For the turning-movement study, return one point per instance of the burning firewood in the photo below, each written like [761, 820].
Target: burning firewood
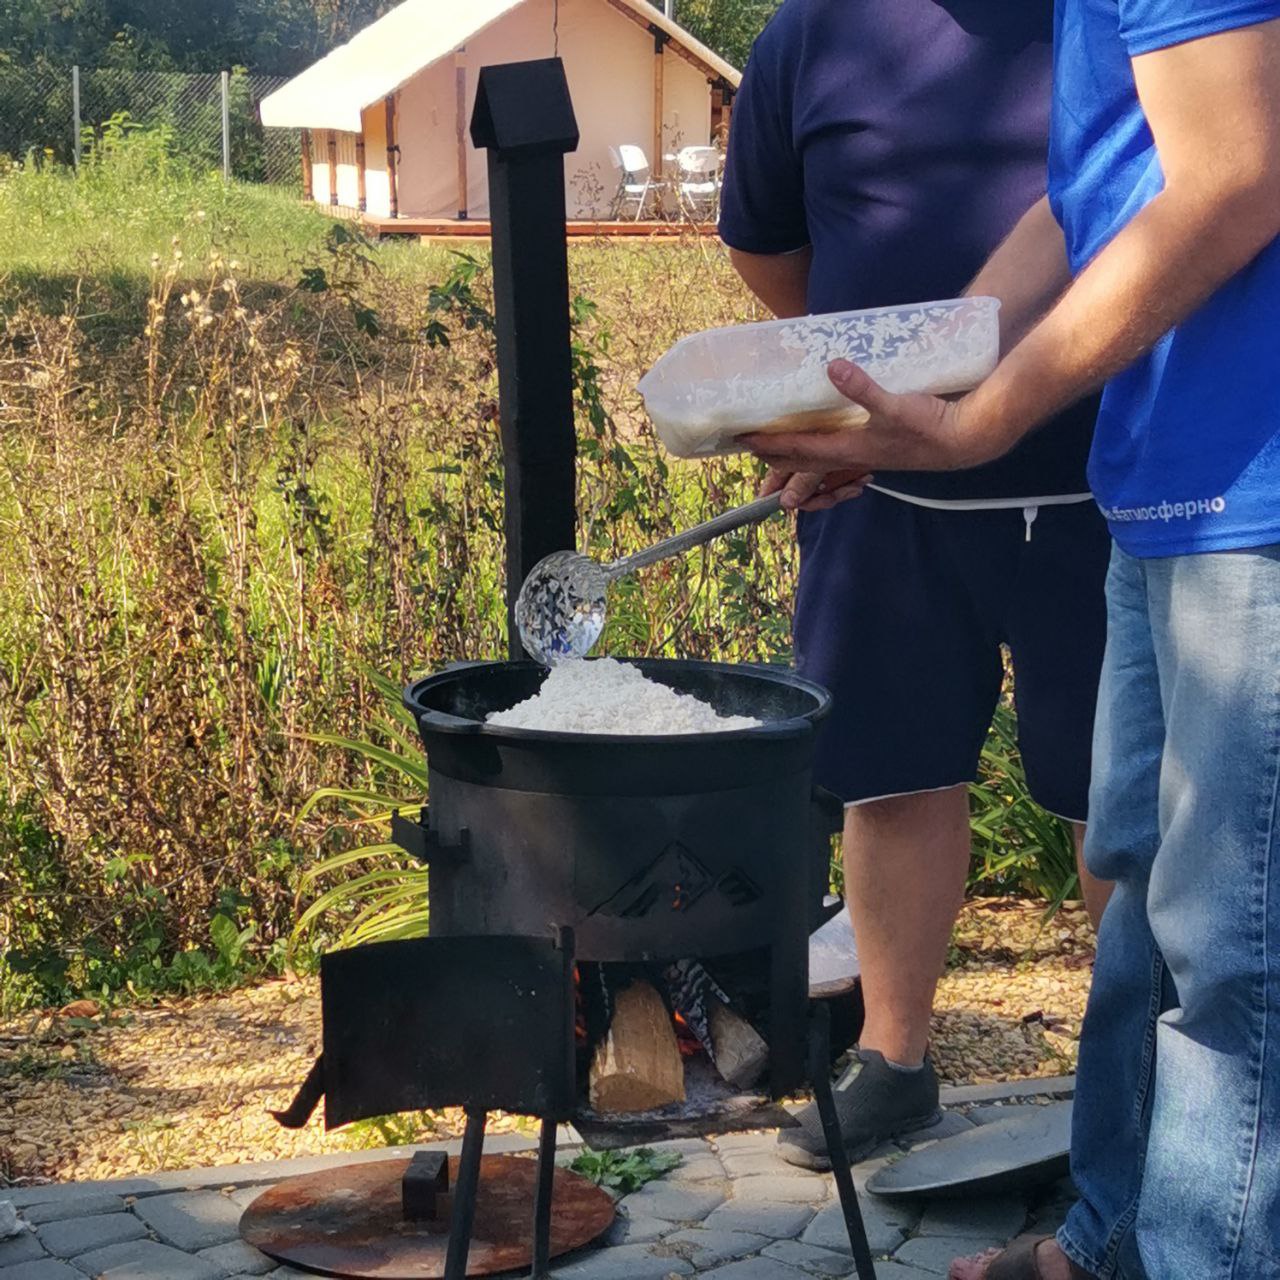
[637, 1065]
[733, 1045]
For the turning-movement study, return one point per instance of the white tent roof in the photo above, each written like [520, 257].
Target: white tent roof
[332, 93]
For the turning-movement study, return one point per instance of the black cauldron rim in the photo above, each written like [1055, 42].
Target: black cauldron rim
[774, 677]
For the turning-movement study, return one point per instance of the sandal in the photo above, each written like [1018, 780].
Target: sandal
[1017, 1262]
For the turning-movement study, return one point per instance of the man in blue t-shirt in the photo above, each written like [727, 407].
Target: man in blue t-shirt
[1165, 189]
[878, 154]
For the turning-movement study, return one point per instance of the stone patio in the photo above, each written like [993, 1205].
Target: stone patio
[731, 1209]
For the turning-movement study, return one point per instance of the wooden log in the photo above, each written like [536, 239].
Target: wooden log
[637, 1066]
[333, 167]
[362, 199]
[659, 102]
[393, 153]
[308, 183]
[740, 1053]
[460, 79]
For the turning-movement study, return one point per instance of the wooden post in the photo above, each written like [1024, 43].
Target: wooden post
[333, 167]
[393, 151]
[460, 75]
[308, 177]
[362, 202]
[659, 100]
[524, 119]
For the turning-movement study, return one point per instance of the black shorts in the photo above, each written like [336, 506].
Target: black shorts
[901, 613]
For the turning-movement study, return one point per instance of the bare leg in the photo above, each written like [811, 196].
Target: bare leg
[906, 860]
[1096, 892]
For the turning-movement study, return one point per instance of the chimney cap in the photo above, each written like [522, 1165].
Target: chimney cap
[524, 109]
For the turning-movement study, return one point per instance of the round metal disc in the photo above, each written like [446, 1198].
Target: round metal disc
[349, 1222]
[1016, 1152]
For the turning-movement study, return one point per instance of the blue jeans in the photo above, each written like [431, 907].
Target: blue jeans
[1176, 1148]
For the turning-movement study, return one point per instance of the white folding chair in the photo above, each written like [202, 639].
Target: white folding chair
[698, 182]
[636, 182]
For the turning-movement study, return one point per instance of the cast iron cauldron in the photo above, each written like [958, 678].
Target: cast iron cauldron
[650, 848]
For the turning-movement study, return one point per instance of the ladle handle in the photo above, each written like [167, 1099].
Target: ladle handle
[717, 526]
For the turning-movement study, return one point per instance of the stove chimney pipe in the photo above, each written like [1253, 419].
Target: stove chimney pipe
[524, 118]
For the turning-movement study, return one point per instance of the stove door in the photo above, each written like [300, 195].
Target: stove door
[485, 1022]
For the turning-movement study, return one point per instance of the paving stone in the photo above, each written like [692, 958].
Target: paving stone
[691, 1203]
[193, 1219]
[637, 1230]
[896, 1271]
[78, 1235]
[1049, 1220]
[709, 1248]
[756, 1269]
[937, 1253]
[1048, 1087]
[777, 1221]
[742, 1164]
[145, 1260]
[685, 1146]
[952, 1123]
[996, 1111]
[22, 1248]
[887, 1225]
[80, 1207]
[808, 1257]
[758, 1140]
[698, 1169]
[782, 1190]
[238, 1256]
[994, 1219]
[629, 1262]
[245, 1196]
[42, 1269]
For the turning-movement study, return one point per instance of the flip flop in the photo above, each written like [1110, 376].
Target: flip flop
[1017, 1262]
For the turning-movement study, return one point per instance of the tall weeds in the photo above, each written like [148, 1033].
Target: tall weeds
[250, 478]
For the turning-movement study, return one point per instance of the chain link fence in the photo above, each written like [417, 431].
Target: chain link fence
[209, 120]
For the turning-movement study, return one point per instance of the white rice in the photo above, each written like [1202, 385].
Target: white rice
[606, 696]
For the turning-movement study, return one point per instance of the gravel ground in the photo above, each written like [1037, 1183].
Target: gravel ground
[188, 1082]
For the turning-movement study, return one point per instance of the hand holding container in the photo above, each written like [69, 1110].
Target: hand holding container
[713, 387]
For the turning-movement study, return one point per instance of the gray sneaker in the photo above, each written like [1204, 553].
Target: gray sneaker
[874, 1102]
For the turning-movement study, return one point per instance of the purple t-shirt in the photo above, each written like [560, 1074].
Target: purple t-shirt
[902, 140]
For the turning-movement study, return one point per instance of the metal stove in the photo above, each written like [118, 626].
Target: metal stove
[548, 851]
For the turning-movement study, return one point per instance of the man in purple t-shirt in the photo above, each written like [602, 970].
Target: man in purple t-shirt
[878, 154]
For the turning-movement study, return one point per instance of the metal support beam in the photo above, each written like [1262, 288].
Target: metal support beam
[524, 119]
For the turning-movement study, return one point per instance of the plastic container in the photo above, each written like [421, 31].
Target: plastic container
[714, 386]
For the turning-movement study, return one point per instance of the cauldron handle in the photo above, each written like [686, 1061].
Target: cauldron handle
[418, 840]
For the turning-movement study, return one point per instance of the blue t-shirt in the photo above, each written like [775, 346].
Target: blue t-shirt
[1186, 456]
[902, 140]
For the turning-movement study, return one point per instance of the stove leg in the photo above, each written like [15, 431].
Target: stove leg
[820, 1076]
[464, 1197]
[542, 1201]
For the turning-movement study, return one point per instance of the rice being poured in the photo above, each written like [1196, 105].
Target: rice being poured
[606, 696]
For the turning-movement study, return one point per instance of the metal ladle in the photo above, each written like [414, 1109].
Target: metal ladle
[560, 611]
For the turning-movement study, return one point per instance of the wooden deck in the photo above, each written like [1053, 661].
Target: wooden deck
[477, 229]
